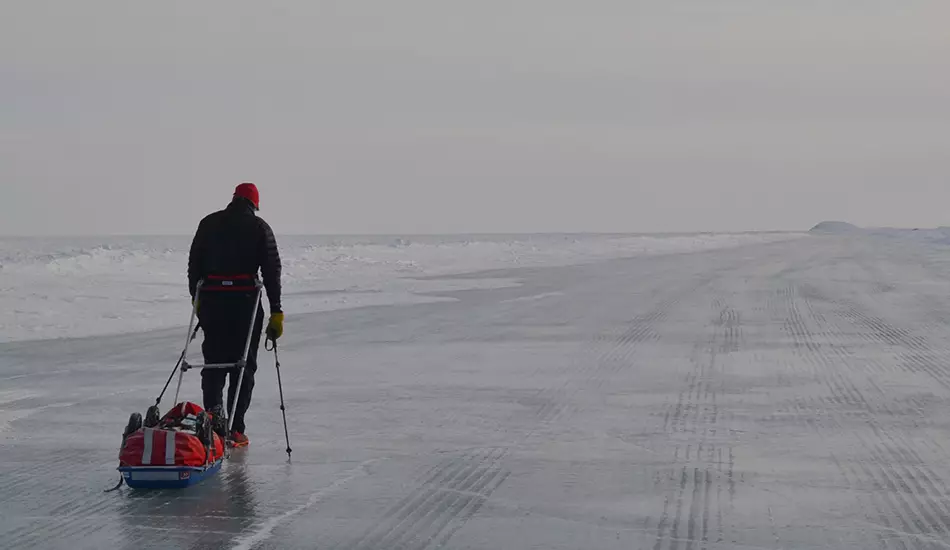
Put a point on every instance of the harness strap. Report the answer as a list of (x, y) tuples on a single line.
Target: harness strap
[(230, 283)]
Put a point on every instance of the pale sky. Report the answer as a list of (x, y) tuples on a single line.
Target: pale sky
[(479, 116)]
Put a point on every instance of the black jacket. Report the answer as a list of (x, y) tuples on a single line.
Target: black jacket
[(234, 241)]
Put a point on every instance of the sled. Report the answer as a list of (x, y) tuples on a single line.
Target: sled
[(180, 450), (185, 446)]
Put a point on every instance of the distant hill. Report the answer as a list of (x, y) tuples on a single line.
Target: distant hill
[(836, 228)]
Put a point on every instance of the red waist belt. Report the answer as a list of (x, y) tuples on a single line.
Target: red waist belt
[(230, 283)]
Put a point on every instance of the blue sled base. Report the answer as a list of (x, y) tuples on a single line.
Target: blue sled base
[(167, 477)]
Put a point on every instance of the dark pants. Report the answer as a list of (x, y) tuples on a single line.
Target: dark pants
[(225, 318)]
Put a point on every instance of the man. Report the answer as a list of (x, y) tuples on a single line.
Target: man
[(234, 243)]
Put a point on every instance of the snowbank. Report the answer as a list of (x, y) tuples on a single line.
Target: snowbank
[(51, 288), (835, 228)]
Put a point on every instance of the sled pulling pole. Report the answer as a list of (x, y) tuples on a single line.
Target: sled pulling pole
[(189, 336), (247, 349), (172, 375)]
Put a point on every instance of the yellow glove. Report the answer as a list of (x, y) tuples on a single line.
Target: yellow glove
[(275, 327)]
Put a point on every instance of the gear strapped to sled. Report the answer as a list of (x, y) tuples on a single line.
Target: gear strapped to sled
[(183, 437), (180, 450)]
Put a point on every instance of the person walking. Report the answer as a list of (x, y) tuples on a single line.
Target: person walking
[(229, 248)]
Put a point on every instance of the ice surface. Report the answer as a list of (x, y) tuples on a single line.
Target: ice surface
[(51, 288), (785, 395)]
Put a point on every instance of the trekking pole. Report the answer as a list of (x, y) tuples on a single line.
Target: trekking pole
[(283, 409), (180, 359)]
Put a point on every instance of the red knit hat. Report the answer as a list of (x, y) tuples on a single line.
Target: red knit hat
[(249, 192)]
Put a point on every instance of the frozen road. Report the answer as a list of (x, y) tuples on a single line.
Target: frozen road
[(789, 395)]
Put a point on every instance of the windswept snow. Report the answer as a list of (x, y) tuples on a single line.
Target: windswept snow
[(51, 288)]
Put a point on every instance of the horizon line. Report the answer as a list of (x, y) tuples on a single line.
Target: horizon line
[(416, 234)]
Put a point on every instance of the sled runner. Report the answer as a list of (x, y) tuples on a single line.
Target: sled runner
[(187, 444)]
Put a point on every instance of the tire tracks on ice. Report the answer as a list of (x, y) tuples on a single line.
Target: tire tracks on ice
[(904, 486), (451, 493), (431, 514), (693, 508), (816, 356)]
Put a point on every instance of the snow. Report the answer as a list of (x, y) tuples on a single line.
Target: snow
[(76, 287)]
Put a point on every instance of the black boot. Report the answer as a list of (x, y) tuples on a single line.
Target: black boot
[(219, 422), (152, 416)]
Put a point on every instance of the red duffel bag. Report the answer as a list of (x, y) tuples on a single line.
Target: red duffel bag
[(177, 440)]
